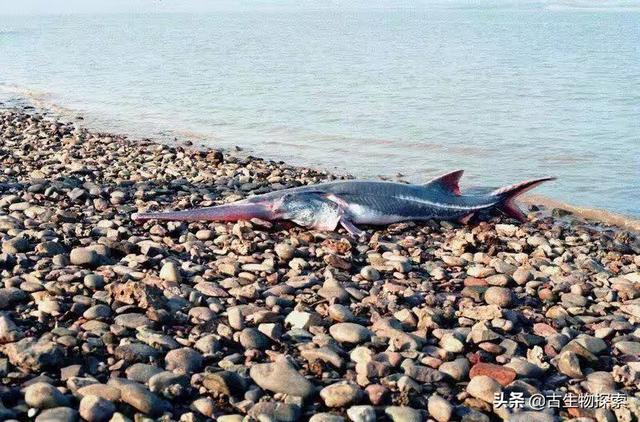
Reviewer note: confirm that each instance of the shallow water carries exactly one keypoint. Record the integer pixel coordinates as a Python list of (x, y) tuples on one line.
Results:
[(505, 94)]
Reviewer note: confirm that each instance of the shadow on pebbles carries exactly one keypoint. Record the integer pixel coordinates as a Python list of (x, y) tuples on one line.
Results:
[(105, 320)]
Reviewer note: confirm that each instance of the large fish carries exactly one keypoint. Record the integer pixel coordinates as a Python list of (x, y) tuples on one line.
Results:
[(351, 202)]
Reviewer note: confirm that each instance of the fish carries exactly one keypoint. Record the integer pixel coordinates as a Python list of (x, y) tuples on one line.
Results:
[(350, 203)]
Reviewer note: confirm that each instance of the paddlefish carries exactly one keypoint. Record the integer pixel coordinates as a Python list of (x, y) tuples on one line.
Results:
[(349, 203)]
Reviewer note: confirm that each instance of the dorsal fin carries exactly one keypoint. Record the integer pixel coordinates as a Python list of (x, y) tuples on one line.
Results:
[(448, 182)]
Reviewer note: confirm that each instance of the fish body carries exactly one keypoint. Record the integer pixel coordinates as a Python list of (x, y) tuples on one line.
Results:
[(350, 202)]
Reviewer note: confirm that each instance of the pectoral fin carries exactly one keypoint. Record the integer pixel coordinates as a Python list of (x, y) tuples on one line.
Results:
[(351, 228)]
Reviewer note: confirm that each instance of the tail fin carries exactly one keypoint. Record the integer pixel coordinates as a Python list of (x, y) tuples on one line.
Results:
[(508, 194), (230, 212)]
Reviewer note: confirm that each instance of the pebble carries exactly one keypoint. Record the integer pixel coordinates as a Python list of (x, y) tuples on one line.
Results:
[(184, 360), (96, 409), (224, 382), (236, 320), (170, 272), (500, 296), (84, 257), (281, 377), (44, 396), (58, 414), (403, 414), (457, 369), (484, 388), (340, 394), (285, 251), (439, 409), (362, 413), (502, 374), (250, 338), (104, 391), (349, 332), (142, 399), (451, 344), (326, 417)]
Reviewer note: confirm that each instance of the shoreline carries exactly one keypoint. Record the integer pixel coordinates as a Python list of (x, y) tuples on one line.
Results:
[(608, 217), (102, 318)]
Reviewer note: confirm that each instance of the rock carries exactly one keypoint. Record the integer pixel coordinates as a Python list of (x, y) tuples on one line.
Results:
[(9, 331), (423, 374), (84, 257), (15, 245), (599, 382), (236, 320), (224, 382), (326, 417), (361, 413), (100, 311), (340, 394), (58, 414), (136, 352), (169, 384), (142, 399), (349, 332), (484, 388), (302, 320), (508, 230), (104, 391), (96, 409), (628, 347), (50, 249), (502, 374), (34, 355), (482, 313), (531, 416), (132, 320), (340, 313), (457, 369), (369, 273), (184, 360), (206, 407), (250, 338), (569, 364), (439, 409), (403, 414), (44, 396), (281, 377), (524, 368), (324, 354), (499, 296), (170, 272), (451, 344), (142, 372), (275, 411), (521, 276), (285, 251)]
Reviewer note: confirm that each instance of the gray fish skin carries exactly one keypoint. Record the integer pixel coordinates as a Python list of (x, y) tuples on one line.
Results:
[(349, 202)]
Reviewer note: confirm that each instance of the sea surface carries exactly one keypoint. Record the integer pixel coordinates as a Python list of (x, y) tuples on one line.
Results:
[(505, 93)]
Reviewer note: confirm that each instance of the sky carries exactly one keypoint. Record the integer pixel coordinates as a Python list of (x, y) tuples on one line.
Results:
[(11, 7)]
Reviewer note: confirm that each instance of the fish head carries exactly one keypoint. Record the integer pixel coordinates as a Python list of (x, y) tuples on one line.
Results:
[(309, 209)]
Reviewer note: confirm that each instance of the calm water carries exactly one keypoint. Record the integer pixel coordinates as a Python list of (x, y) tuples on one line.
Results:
[(505, 94)]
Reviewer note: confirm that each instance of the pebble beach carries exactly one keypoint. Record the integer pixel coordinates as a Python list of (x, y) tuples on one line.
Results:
[(102, 319)]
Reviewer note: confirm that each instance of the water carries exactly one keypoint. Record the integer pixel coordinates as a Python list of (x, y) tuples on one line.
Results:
[(504, 93)]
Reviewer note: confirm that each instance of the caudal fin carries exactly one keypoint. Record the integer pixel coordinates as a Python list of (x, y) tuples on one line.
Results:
[(508, 194)]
